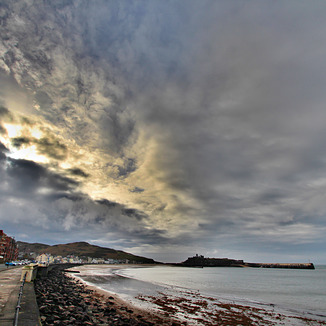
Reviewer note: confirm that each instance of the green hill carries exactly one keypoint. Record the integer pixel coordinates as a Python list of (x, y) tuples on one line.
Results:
[(80, 249)]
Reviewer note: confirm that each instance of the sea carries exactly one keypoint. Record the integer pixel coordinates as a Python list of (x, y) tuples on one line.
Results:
[(280, 296)]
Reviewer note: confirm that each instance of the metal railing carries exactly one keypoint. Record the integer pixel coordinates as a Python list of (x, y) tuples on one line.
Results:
[(18, 302)]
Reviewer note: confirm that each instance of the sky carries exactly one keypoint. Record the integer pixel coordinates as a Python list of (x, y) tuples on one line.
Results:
[(165, 128)]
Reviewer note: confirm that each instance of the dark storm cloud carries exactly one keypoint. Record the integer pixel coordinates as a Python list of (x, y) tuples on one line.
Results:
[(41, 50), (62, 207), (52, 148), (134, 213), (117, 131), (222, 102), (106, 202), (43, 99), (76, 213), (30, 176), (137, 190), (4, 111), (26, 168), (49, 147), (39, 59), (273, 196), (3, 148), (78, 172), (72, 196), (2, 130), (19, 141), (129, 167)]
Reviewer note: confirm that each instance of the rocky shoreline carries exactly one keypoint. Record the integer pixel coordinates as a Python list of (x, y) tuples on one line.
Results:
[(63, 300)]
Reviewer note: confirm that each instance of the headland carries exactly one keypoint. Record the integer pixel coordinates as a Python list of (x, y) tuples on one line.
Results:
[(201, 261)]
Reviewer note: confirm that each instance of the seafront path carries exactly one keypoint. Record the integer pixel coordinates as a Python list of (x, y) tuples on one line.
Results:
[(9, 292)]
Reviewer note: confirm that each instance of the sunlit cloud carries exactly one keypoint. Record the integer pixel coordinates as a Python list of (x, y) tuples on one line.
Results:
[(159, 125)]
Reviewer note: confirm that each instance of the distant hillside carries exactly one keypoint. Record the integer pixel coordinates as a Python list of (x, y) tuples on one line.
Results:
[(80, 249), (26, 247)]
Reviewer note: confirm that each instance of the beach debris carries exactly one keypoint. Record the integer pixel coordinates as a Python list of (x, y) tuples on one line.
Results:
[(207, 311)]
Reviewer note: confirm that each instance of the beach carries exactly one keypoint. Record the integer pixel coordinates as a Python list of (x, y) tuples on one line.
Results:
[(159, 305), (65, 300)]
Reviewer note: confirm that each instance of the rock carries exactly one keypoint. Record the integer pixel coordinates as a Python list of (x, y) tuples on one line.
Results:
[(64, 301)]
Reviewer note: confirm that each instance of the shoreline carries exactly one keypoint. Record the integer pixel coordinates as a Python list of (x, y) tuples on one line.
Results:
[(124, 307), (63, 299), (201, 310)]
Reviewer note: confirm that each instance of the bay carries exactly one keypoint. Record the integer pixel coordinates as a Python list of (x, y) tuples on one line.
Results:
[(290, 292), (292, 289)]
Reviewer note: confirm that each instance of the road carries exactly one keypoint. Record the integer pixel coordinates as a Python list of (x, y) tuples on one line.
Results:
[(4, 267)]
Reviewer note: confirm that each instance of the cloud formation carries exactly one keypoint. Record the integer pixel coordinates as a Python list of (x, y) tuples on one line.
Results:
[(53, 204), (159, 125)]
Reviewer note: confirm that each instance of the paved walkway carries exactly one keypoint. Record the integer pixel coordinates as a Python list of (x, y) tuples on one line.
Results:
[(9, 291)]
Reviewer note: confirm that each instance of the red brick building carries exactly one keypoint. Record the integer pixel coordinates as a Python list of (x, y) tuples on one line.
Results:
[(8, 248)]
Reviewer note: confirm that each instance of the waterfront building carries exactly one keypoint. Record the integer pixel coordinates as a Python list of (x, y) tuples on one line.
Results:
[(44, 259), (8, 248)]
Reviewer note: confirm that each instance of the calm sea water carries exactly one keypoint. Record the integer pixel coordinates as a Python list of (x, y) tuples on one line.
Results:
[(291, 290)]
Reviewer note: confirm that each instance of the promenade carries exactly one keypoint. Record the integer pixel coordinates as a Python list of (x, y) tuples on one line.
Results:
[(9, 291)]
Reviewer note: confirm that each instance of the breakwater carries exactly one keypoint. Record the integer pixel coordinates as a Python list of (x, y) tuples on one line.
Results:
[(279, 265)]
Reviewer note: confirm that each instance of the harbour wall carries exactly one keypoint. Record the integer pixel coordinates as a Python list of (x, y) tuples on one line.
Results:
[(280, 265)]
